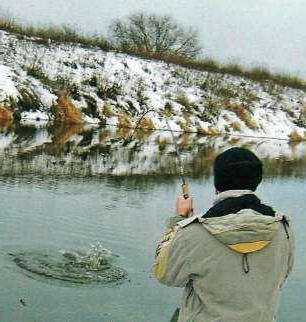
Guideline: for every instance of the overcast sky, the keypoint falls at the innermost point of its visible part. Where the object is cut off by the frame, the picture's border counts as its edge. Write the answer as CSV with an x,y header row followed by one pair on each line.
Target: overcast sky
x,y
262,32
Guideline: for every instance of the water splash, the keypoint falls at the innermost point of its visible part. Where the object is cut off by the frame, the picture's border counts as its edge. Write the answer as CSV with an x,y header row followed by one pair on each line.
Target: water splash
x,y
93,266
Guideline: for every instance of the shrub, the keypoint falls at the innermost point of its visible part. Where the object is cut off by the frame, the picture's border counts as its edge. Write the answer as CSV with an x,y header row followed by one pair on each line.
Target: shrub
x,y
151,33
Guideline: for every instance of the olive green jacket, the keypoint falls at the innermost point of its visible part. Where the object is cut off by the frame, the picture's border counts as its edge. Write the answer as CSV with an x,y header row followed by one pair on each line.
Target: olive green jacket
x,y
231,267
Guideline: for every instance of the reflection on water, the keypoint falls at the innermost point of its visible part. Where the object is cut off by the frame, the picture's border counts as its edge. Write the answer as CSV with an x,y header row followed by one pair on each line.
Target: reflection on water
x,y
79,267
118,189
81,151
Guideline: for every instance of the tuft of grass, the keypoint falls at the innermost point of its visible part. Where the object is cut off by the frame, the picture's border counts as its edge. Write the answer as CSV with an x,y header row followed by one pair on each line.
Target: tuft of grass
x,y
301,121
213,107
6,116
66,112
243,114
227,92
141,97
111,90
186,126
236,126
125,121
108,110
168,109
93,80
248,97
92,107
294,136
146,124
210,131
183,100
35,71
28,100
163,143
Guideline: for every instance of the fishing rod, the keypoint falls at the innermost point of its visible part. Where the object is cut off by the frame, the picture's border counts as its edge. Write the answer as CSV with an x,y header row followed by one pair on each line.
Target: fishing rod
x,y
184,204
185,188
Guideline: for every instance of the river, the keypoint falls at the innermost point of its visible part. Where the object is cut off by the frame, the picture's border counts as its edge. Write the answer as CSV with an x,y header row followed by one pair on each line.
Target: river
x,y
70,194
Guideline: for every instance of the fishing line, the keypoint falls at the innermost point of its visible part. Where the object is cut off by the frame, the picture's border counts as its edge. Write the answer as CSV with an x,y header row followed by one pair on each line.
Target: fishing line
x,y
221,134
177,155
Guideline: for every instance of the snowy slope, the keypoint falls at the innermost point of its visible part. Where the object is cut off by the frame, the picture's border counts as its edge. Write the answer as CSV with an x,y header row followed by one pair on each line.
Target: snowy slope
x,y
117,89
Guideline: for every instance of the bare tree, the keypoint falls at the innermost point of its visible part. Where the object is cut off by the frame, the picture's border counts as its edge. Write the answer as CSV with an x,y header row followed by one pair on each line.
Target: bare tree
x,y
152,33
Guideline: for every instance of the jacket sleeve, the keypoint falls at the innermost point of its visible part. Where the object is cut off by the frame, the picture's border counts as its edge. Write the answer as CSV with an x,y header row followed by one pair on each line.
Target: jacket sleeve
x,y
171,265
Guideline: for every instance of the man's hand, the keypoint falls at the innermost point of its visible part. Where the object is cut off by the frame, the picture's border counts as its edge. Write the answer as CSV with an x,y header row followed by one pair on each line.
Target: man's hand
x,y
184,206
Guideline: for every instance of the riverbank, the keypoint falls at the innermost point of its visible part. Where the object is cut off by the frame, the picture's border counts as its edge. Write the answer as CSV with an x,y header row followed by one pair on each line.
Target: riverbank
x,y
44,80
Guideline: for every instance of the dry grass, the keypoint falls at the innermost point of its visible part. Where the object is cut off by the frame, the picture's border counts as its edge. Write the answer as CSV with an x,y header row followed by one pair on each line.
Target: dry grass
x,y
210,131
108,110
105,135
66,112
125,121
58,33
64,133
185,125
123,132
184,140
236,126
243,114
6,116
294,136
233,140
146,124
163,143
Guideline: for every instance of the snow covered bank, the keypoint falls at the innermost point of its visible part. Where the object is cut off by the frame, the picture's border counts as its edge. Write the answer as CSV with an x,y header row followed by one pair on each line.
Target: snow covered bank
x,y
118,89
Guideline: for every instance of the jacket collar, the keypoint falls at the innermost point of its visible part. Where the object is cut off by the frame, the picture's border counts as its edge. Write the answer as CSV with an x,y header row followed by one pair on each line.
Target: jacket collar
x,y
231,193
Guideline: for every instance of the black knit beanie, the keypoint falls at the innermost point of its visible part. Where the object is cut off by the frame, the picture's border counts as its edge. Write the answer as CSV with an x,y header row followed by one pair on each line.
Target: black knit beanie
x,y
237,169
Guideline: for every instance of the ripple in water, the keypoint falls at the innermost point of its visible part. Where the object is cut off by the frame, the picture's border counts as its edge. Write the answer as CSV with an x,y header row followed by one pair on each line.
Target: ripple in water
x,y
90,267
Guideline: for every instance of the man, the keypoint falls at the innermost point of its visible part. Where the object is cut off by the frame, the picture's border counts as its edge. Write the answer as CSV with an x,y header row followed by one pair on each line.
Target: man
x,y
233,260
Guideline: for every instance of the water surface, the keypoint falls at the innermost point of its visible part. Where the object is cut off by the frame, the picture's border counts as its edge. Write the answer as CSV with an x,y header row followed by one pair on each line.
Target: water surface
x,y
56,198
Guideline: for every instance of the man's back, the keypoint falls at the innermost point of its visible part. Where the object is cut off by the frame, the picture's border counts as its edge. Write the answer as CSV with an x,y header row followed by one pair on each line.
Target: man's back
x,y
232,267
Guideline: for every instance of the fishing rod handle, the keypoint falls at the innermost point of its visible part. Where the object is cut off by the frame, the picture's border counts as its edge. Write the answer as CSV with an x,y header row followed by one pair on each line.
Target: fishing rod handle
x,y
185,190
